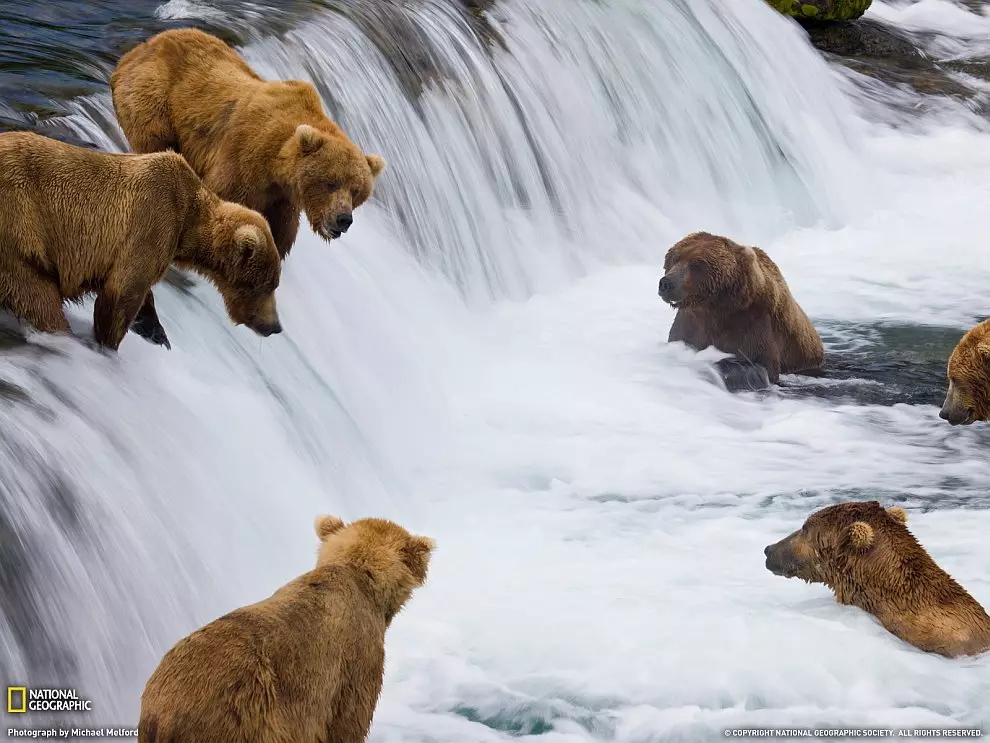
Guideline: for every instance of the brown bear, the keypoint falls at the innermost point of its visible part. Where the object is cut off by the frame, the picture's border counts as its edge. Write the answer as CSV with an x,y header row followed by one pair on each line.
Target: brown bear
x,y
304,664
867,556
75,221
265,144
968,398
733,297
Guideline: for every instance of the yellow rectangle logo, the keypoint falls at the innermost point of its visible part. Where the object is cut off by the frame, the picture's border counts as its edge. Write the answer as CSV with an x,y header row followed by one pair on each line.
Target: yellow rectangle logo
x,y
11,691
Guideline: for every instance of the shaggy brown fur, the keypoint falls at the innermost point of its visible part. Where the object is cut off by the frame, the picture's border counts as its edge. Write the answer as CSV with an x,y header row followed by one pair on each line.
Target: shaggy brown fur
x,y
305,664
867,556
734,297
265,144
75,221
968,397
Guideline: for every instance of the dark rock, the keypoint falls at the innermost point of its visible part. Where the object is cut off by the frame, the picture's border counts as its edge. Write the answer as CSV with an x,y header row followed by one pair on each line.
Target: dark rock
x,y
739,375
887,54
865,38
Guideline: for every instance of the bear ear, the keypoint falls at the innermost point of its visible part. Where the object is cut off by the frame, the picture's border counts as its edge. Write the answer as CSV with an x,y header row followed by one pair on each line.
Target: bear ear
x,y
897,514
416,556
247,239
328,525
377,165
310,138
861,536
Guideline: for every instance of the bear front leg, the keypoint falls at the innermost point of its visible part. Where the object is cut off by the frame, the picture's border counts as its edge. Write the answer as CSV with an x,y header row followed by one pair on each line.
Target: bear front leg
x,y
114,313
31,296
354,710
283,220
147,325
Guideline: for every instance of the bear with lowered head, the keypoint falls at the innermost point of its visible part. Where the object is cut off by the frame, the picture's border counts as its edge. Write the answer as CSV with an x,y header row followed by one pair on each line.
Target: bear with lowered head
x,y
869,559
968,397
734,297
75,221
306,663
267,144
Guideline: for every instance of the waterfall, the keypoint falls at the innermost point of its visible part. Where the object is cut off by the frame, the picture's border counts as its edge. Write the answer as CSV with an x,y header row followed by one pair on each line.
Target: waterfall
x,y
482,358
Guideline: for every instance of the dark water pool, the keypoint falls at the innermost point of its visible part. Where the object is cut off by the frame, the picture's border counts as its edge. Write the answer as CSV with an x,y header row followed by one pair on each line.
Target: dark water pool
x,y
54,50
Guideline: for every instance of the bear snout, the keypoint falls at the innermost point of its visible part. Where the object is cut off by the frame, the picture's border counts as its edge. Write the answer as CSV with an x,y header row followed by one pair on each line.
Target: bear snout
x,y
267,329
954,413
668,289
332,227
777,561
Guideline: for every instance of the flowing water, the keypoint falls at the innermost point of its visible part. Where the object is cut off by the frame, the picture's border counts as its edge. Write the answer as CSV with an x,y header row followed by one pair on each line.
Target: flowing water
x,y
483,359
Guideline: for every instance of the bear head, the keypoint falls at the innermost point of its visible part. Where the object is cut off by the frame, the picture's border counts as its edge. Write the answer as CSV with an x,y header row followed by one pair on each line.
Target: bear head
x,y
332,178
394,561
968,397
848,547
709,270
249,267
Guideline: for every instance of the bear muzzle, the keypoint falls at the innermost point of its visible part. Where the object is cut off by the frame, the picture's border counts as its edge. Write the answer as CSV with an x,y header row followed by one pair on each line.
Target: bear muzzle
x,y
332,227
265,321
670,290
955,412
780,561
266,329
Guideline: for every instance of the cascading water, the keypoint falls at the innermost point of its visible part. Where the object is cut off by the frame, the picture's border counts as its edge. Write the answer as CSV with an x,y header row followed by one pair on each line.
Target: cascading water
x,y
482,359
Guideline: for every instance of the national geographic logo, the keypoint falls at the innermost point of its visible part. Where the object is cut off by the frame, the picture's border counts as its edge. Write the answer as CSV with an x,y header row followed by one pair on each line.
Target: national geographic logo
x,y
22,699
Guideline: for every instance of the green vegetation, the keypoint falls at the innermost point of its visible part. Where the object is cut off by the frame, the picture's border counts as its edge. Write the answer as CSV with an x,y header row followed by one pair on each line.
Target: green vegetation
x,y
822,10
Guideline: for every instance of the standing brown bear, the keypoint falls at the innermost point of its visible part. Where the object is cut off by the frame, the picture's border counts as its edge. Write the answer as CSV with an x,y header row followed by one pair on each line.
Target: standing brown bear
x,y
968,397
733,297
265,144
75,221
303,666
867,556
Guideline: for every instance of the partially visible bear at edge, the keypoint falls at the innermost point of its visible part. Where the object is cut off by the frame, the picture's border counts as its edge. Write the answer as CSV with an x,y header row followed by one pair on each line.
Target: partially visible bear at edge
x,y
870,559
734,297
75,221
266,144
301,666
968,397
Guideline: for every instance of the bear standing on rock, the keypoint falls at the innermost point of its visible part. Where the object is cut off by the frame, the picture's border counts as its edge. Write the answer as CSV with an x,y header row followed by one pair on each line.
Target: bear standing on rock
x,y
733,297
265,144
75,221
867,556
303,665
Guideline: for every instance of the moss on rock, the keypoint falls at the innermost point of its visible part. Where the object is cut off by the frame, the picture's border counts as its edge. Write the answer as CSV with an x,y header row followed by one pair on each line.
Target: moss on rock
x,y
821,10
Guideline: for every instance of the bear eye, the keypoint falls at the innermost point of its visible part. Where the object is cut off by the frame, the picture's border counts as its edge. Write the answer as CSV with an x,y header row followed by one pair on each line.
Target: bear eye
x,y
334,185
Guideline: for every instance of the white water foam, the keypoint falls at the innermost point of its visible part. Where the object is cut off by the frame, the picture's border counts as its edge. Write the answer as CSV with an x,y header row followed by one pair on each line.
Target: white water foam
x,y
951,30
600,507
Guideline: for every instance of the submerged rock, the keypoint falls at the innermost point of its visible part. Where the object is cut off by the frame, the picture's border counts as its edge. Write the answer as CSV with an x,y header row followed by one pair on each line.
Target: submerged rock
x,y
821,10
890,55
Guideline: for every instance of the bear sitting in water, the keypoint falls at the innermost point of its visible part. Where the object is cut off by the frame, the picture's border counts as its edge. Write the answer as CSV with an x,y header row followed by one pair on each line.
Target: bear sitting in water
x,y
867,556
968,397
733,297
306,663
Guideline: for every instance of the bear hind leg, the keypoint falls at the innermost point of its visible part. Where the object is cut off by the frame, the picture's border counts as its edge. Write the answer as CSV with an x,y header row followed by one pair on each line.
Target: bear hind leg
x,y
147,325
31,296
